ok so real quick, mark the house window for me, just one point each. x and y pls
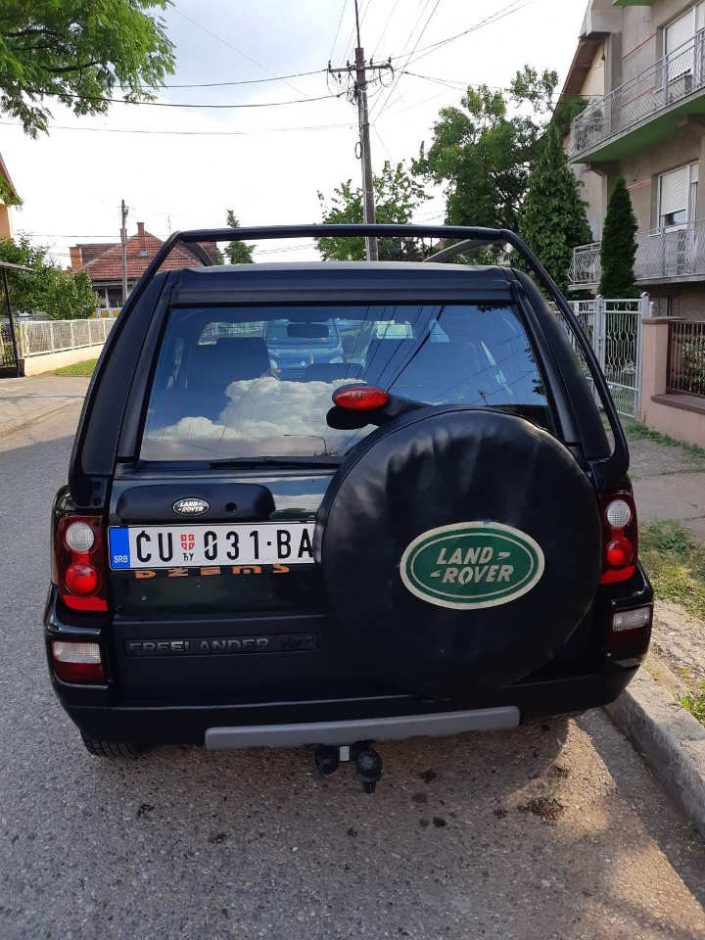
(678, 46)
(678, 196)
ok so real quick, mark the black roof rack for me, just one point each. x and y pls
(609, 472)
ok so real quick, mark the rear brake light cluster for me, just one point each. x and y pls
(80, 563)
(77, 662)
(619, 536)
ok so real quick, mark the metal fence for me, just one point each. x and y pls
(672, 78)
(37, 337)
(614, 329)
(686, 358)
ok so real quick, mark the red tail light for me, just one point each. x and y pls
(360, 397)
(619, 537)
(80, 566)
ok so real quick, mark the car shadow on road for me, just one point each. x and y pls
(467, 832)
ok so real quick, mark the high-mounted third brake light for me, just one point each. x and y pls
(619, 536)
(79, 570)
(360, 397)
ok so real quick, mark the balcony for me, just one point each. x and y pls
(661, 257)
(644, 110)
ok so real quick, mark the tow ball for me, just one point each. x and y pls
(368, 763)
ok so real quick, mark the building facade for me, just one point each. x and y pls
(8, 198)
(103, 263)
(641, 67)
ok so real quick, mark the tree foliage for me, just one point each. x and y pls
(236, 252)
(80, 51)
(618, 249)
(553, 219)
(482, 155)
(47, 290)
(397, 194)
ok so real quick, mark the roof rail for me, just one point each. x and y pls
(607, 472)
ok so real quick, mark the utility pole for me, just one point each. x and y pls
(359, 96)
(123, 240)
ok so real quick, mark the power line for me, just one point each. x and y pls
(508, 10)
(128, 130)
(490, 20)
(415, 47)
(337, 32)
(244, 81)
(385, 28)
(172, 104)
(230, 45)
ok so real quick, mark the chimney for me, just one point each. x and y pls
(140, 228)
(76, 257)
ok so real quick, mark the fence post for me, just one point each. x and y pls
(644, 314)
(600, 329)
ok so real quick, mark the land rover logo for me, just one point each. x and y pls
(191, 506)
(472, 565)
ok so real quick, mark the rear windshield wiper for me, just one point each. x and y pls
(256, 463)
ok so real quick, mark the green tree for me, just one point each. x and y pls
(618, 249)
(482, 156)
(46, 290)
(553, 219)
(237, 252)
(397, 195)
(81, 52)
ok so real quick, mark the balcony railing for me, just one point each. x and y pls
(585, 266)
(672, 78)
(679, 253)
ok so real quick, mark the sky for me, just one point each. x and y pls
(268, 163)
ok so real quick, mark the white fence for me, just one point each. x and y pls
(39, 337)
(614, 328)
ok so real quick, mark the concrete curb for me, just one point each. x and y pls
(669, 737)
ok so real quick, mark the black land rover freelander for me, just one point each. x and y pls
(338, 503)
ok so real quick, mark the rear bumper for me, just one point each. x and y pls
(371, 729)
(343, 721)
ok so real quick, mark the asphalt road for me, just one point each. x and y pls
(551, 831)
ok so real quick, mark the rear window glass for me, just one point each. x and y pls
(257, 381)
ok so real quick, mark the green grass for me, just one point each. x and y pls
(637, 431)
(695, 704)
(78, 368)
(675, 562)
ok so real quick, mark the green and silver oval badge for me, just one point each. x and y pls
(472, 565)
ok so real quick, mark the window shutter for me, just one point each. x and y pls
(674, 191)
(680, 31)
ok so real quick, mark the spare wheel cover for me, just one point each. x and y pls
(508, 498)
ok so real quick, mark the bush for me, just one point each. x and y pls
(46, 290)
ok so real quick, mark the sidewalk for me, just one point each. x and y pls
(24, 401)
(669, 483)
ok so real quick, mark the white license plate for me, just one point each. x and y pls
(198, 546)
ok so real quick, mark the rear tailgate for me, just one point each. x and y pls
(227, 602)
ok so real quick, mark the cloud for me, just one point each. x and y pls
(263, 417)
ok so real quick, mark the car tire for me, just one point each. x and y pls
(97, 747)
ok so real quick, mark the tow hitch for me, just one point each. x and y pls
(368, 763)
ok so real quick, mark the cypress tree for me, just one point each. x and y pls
(553, 220)
(618, 249)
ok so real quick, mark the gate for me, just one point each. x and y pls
(614, 328)
(9, 357)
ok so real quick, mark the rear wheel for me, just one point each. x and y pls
(111, 749)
